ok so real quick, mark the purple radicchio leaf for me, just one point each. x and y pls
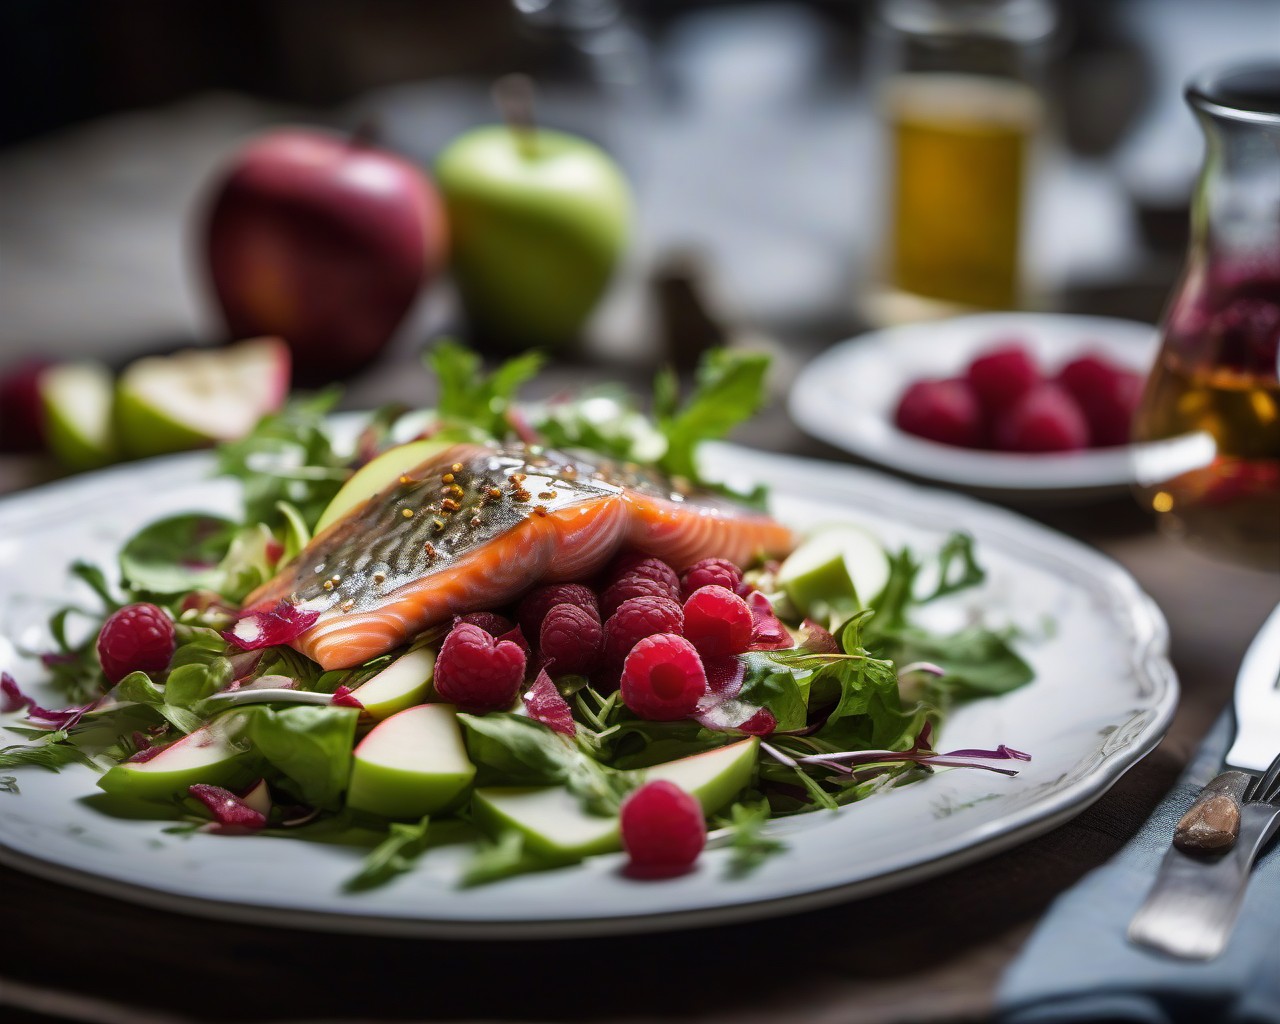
(920, 753)
(545, 704)
(767, 631)
(231, 815)
(279, 625)
(344, 698)
(720, 709)
(13, 699)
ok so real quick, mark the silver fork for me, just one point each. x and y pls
(1197, 896)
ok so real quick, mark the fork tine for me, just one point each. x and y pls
(1265, 789)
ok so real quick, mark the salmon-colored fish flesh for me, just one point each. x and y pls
(476, 526)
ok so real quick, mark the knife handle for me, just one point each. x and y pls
(1195, 901)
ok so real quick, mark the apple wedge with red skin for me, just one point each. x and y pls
(322, 240)
(209, 755)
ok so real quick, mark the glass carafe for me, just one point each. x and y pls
(1213, 400)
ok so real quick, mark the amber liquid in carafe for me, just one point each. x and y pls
(1230, 507)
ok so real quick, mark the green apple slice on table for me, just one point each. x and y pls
(412, 764)
(835, 572)
(210, 755)
(402, 684)
(376, 474)
(199, 397)
(537, 220)
(77, 402)
(554, 823)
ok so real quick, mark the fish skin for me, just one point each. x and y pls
(378, 576)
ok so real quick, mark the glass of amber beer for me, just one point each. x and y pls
(960, 100)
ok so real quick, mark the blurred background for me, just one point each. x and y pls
(748, 132)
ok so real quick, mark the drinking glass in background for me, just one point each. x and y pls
(1210, 415)
(959, 93)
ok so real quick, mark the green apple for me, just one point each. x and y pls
(555, 825)
(76, 400)
(199, 397)
(400, 685)
(210, 755)
(376, 474)
(537, 221)
(412, 764)
(834, 572)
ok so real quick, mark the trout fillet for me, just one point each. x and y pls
(476, 526)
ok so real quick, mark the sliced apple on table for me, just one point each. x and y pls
(199, 397)
(210, 754)
(76, 400)
(402, 684)
(837, 570)
(376, 474)
(554, 823)
(411, 764)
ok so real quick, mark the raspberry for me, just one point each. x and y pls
(477, 672)
(718, 572)
(491, 622)
(536, 604)
(1001, 376)
(663, 828)
(570, 640)
(945, 411)
(137, 638)
(635, 565)
(1107, 395)
(636, 619)
(663, 678)
(717, 622)
(628, 587)
(1047, 419)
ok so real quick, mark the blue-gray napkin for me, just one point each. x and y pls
(1078, 966)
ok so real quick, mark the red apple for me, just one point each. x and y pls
(21, 420)
(324, 241)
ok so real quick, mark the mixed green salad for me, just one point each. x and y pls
(827, 692)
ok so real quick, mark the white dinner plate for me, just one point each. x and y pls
(847, 397)
(1103, 695)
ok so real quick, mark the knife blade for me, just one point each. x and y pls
(1193, 905)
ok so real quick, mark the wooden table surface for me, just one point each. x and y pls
(930, 952)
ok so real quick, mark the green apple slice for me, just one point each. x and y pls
(835, 572)
(555, 825)
(376, 474)
(77, 400)
(210, 755)
(402, 684)
(199, 397)
(412, 764)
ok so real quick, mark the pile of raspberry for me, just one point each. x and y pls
(641, 628)
(1005, 402)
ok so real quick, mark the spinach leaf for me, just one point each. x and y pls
(309, 745)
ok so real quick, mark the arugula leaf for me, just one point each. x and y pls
(309, 745)
(471, 402)
(393, 856)
(53, 755)
(977, 661)
(287, 457)
(748, 842)
(729, 388)
(601, 420)
(503, 859)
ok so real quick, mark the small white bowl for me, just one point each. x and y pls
(848, 395)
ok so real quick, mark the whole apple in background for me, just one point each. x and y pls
(21, 419)
(537, 221)
(324, 241)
